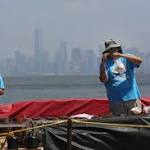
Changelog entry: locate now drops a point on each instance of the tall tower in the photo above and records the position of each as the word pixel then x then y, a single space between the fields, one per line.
pixel 39 55
pixel 38 42
pixel 76 60
pixel 61 61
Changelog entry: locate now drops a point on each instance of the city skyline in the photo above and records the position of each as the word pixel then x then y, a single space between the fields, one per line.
pixel 38 44
pixel 76 61
pixel 82 23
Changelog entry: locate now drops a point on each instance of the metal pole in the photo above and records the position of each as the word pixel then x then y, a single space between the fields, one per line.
pixel 69 134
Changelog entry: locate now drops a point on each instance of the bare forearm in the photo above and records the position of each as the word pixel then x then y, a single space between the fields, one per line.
pixel 103 75
pixel 1 91
pixel 133 58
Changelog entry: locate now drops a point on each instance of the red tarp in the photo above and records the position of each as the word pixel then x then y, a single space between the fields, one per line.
pixel 57 107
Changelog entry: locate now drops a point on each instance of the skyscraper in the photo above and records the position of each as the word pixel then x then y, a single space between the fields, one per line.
pixel 91 61
pixel 38 41
pixel 40 56
pixel 76 59
pixel 61 60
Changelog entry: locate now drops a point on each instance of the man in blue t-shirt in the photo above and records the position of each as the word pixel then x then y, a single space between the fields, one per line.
pixel 2 87
pixel 118 75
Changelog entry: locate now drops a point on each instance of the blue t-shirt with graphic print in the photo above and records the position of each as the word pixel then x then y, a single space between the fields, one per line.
pixel 121 84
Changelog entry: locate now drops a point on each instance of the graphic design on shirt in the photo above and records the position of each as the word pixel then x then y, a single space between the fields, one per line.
pixel 119 69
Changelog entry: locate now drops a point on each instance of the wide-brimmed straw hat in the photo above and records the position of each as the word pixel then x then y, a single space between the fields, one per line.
pixel 111 44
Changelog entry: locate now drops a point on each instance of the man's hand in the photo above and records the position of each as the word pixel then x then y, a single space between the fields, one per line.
pixel 115 55
pixel 105 57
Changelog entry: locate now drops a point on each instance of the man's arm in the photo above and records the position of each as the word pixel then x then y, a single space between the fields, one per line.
pixel 133 58
pixel 1 91
pixel 103 76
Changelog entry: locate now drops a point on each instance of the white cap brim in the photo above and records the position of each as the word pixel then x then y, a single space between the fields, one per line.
pixel 113 46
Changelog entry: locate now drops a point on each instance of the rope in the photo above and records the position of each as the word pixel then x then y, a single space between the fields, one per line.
pixel 36 127
pixel 77 121
pixel 110 124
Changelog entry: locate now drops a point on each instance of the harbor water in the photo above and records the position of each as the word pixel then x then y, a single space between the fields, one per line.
pixel 48 86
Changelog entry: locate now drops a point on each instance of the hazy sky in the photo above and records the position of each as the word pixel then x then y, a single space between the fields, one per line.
pixel 84 23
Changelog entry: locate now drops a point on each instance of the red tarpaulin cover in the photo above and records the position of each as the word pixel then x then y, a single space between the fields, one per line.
pixel 58 107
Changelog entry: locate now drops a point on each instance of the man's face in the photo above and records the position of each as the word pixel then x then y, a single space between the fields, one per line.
pixel 111 51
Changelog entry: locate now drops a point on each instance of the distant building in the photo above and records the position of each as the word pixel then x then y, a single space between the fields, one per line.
pixel 61 59
pixel 20 63
pixel 75 61
pixel 8 67
pixel 90 62
pixel 38 42
pixel 40 56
